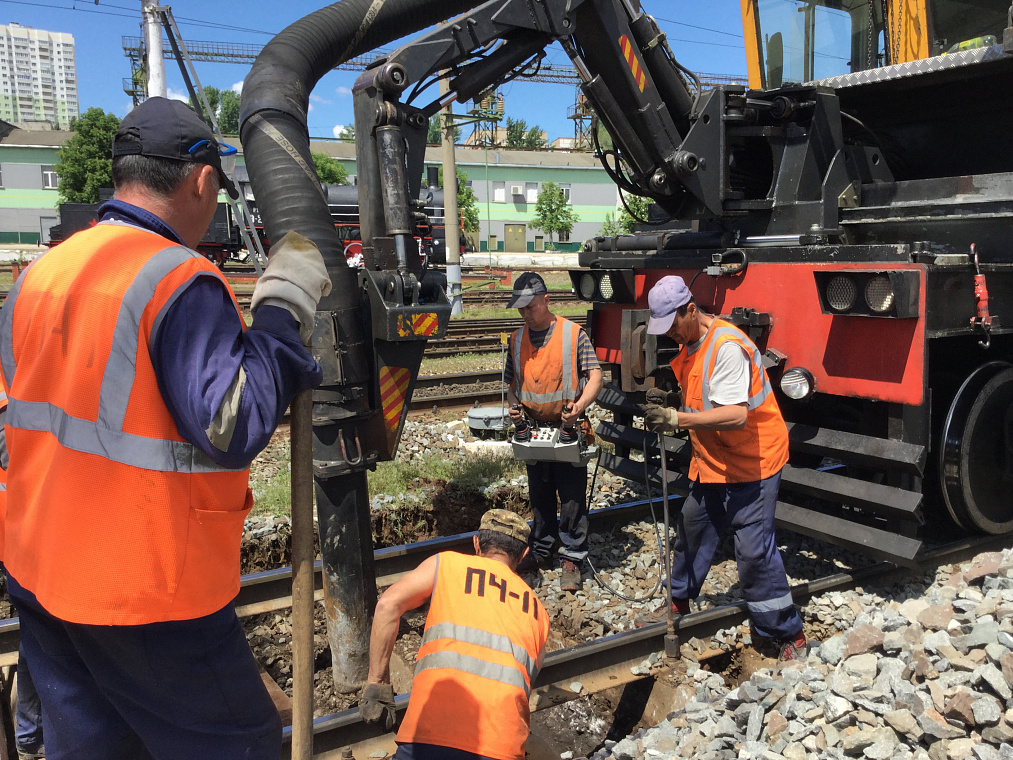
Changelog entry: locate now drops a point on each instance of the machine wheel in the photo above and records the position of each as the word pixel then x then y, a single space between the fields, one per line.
pixel 976 456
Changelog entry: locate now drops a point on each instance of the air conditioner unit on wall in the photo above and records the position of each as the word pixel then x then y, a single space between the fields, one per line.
pixel 516 189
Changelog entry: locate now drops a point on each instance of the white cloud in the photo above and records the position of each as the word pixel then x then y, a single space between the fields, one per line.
pixel 311 109
pixel 337 129
pixel 318 99
pixel 175 95
pixel 237 87
pixel 344 91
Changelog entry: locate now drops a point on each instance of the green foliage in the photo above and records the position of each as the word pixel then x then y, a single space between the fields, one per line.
pixel 435 134
pixel 329 170
pixel 467 201
pixel 347 134
pixel 553 214
pixel 519 136
pixel 225 105
pixel 621 223
pixel 84 163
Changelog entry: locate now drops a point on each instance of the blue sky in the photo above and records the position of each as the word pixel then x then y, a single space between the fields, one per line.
pixel 705 36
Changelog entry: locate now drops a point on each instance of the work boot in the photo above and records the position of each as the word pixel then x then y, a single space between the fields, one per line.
pixel 569 579
pixel 530 570
pixel 679 607
pixel 794 650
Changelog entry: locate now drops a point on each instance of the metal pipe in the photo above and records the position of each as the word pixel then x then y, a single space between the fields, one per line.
pixel 302 575
pixel 671 639
pixel 153 39
pixel 450 213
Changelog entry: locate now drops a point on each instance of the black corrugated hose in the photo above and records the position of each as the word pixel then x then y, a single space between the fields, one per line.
pixel 275 102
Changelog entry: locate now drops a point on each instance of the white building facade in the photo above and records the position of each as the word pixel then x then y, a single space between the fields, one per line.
pixel 38 77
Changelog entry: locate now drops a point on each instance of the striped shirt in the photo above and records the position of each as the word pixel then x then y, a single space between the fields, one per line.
pixel 586 358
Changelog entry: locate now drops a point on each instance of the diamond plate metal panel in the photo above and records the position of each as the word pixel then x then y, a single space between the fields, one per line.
pixel 914 68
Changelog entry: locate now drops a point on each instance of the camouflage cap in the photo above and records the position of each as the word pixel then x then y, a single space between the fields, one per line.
pixel 506 522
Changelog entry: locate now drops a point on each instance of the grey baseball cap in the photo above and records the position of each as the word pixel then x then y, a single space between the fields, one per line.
pixel 526 287
pixel 666 297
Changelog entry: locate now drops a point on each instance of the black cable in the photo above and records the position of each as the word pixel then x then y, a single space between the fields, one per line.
pixel 637 218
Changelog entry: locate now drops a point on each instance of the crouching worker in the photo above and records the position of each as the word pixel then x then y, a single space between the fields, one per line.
pixel 481 650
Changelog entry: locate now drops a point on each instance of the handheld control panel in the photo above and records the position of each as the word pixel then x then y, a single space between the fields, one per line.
pixel 543 445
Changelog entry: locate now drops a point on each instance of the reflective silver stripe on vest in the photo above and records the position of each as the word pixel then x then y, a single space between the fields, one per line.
pixel 755 360
pixel 566 392
pixel 7 331
pixel 474 666
pixel 106 438
pixel 495 641
pixel 115 445
pixel 118 378
pixel 771 605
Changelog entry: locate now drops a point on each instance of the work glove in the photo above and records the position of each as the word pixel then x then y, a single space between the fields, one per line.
pixel 661 419
pixel 376 705
pixel 663 398
pixel 295 279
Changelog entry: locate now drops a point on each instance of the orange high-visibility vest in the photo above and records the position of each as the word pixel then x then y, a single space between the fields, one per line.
pixel 482 647
pixel 3 485
pixel 113 518
pixel 731 456
pixel 546 379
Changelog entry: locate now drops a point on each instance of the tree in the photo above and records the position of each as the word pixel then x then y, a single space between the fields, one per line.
pixel 435 135
pixel 515 129
pixel 329 170
pixel 347 134
pixel 467 201
pixel 533 138
pixel 552 212
pixel 85 162
pixel 622 222
pixel 225 106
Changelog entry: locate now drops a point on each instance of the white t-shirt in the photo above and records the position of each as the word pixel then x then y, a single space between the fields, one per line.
pixel 729 382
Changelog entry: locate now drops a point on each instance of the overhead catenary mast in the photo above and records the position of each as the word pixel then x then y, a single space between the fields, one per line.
pixel 153 43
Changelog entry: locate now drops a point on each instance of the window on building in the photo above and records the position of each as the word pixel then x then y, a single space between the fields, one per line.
pixel 531 192
pixel 499 192
pixel 566 191
pixel 564 237
pixel 50 179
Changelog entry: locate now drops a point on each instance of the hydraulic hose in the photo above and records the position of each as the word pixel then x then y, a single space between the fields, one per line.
pixel 275 102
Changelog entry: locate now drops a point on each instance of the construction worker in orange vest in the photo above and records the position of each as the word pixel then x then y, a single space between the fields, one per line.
pixel 481 649
pixel 28 712
pixel 137 399
pixel 740 445
pixel 552 376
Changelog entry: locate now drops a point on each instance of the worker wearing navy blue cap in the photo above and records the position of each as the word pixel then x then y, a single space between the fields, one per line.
pixel 740 445
pixel 130 430
pixel 553 375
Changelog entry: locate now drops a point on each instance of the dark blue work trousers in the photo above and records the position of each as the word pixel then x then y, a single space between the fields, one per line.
pixel 748 510
pixel 415 751
pixel 169 691
pixel 546 480
pixel 28 715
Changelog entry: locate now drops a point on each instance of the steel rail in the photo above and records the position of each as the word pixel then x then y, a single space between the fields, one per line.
pixel 271 590
pixel 607 662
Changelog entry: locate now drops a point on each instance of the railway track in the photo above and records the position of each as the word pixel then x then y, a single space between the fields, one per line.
pixel 598 665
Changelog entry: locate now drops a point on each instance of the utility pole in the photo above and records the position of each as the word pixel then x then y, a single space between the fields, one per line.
pixel 153 40
pixel 451 215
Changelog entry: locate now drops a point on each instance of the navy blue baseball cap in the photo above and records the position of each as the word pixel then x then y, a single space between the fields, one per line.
pixel 526 287
pixel 164 128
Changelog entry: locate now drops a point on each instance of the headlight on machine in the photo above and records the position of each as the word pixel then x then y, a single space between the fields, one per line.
pixel 879 294
pixel 841 293
pixel 605 285
pixel 894 293
pixel 798 383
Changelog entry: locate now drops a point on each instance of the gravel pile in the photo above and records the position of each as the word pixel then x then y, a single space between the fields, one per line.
pixel 921 671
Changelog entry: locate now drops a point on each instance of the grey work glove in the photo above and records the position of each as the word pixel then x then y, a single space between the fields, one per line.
pixel 661 419
pixel 295 279
pixel 663 398
pixel 376 705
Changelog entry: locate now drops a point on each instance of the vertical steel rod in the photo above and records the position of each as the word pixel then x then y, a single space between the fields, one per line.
pixel 302 575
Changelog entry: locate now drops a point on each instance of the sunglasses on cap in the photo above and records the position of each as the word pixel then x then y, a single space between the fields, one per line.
pixel 224 152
